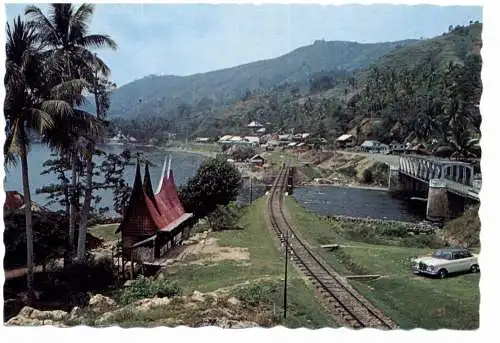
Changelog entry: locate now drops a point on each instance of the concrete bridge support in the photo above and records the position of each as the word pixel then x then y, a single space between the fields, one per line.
pixel 438 207
pixel 394 180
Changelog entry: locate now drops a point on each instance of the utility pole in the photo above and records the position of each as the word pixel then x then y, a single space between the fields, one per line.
pixel 286 276
pixel 287 246
pixel 251 190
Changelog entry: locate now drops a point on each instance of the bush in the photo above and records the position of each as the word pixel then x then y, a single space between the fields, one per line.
pixel 367 176
pixel 93 275
pixel 464 230
pixel 142 288
pixel 349 171
pixel 256 294
pixel 217 182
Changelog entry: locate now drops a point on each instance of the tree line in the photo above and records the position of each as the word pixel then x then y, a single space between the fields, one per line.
pixel 433 97
pixel 51 69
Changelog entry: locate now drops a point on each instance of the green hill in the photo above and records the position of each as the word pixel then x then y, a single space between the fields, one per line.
pixel 404 94
pixel 160 95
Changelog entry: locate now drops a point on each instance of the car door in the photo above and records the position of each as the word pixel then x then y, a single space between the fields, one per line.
pixel 462 262
pixel 468 260
pixel 456 262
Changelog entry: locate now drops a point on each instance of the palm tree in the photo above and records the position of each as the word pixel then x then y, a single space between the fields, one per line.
pixel 65 33
pixel 25 110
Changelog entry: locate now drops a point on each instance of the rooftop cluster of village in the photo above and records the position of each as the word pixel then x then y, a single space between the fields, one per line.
pixel 257 136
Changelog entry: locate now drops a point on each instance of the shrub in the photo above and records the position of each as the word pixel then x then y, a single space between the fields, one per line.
pixel 349 171
pixel 217 182
pixel 464 230
pixel 367 176
pixel 256 294
pixel 142 288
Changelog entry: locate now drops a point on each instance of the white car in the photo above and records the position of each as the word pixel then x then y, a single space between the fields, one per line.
pixel 446 261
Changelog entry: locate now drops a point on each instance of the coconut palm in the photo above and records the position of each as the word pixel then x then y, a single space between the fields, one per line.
pixel 26 110
pixel 67 40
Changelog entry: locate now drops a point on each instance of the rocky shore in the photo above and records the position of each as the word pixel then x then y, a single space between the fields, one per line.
pixel 196 310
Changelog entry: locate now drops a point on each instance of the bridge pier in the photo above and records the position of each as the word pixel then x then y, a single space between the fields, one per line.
pixel 394 180
pixel 438 207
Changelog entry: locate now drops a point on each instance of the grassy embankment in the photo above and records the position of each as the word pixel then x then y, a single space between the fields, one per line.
pixel 264 268
pixel 412 301
pixel 205 149
pixel 106 232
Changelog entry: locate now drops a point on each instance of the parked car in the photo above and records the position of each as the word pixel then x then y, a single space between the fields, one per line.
pixel 446 261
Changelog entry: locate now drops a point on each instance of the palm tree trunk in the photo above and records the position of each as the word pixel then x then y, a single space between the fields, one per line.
pixel 28 215
pixel 73 201
pixel 84 213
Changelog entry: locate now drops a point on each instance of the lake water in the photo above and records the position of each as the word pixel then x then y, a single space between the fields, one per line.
pixel 184 166
pixel 327 200
pixel 365 203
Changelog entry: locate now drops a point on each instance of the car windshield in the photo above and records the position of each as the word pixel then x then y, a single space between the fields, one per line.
pixel 443 254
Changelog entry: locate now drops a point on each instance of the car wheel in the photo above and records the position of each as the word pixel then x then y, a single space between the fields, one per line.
pixel 442 273
pixel 474 268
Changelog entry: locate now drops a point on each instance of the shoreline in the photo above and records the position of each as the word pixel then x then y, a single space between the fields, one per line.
pixel 368 188
pixel 189 151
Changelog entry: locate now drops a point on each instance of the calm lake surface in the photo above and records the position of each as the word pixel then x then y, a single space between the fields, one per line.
pixel 184 166
pixel 327 200
pixel 364 203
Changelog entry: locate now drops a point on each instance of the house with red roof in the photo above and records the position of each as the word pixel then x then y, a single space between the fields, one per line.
pixel 154 220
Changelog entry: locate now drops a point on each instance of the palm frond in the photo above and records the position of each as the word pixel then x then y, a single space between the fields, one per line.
pixel 98 41
pixel 42 24
pixel 57 108
pixel 39 120
pixel 78 25
pixel 70 90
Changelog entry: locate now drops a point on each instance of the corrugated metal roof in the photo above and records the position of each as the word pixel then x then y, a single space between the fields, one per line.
pixel 369 144
pixel 252 139
pixel 344 137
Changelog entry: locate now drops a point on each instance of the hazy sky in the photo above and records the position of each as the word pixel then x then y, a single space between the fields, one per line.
pixel 187 39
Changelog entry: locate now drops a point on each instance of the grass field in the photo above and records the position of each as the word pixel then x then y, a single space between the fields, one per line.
pixel 105 232
pixel 266 266
pixel 412 301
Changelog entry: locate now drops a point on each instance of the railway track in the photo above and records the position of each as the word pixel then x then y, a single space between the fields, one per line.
pixel 347 307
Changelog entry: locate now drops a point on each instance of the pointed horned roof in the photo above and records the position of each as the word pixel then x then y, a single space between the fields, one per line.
pixel 148 189
pixel 150 212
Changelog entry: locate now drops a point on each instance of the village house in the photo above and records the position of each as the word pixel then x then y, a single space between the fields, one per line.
pixel 398 148
pixel 253 140
pixel 154 221
pixel 374 147
pixel 238 140
pixel 255 125
pixel 202 139
pixel 345 141
pixel 257 160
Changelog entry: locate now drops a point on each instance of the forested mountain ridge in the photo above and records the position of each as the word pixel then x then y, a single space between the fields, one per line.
pixel 160 95
pixel 416 92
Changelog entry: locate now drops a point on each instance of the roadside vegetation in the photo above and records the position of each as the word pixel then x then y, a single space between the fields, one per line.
pixel 243 262
pixel 386 250
pixel 464 230
pixel 257 279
